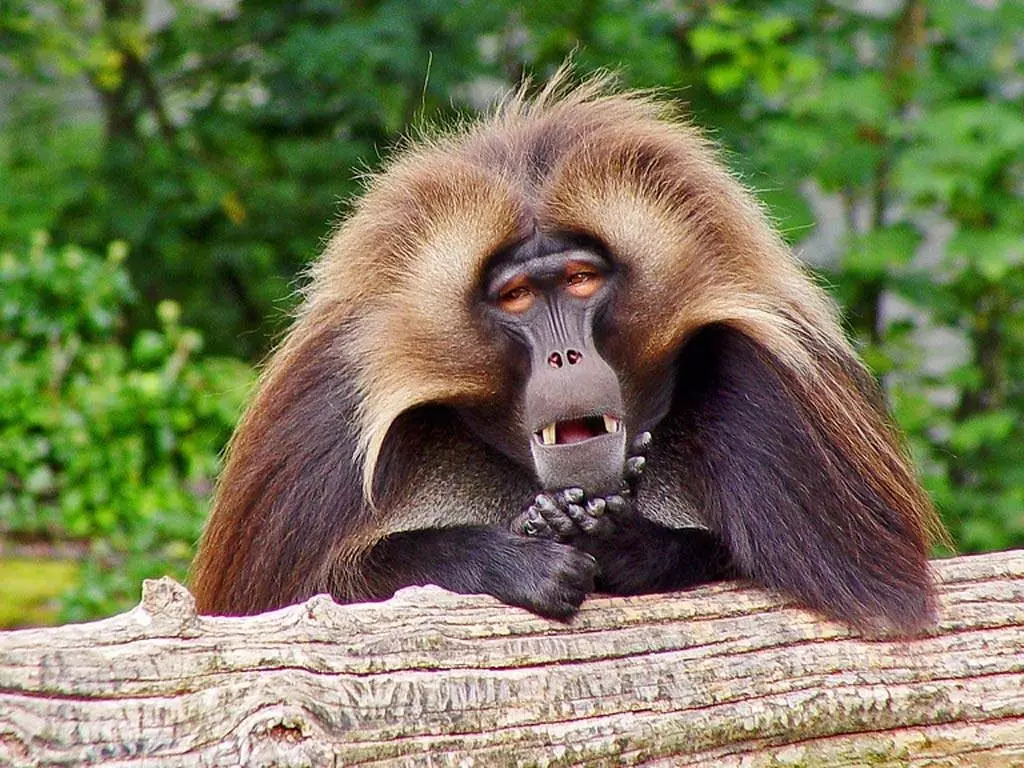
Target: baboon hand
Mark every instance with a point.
(569, 516)
(553, 580)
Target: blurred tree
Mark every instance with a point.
(217, 141)
(113, 443)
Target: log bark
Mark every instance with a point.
(726, 675)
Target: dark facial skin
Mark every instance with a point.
(572, 409)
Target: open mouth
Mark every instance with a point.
(577, 430)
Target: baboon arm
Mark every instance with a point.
(549, 578)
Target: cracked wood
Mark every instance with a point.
(726, 675)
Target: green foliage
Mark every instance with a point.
(220, 143)
(115, 440)
(740, 46)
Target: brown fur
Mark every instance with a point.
(388, 325)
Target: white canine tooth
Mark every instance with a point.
(611, 424)
(548, 434)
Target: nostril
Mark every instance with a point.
(555, 360)
(573, 356)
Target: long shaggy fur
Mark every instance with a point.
(388, 326)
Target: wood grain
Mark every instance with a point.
(726, 675)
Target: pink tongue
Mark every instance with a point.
(574, 431)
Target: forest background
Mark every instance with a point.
(168, 167)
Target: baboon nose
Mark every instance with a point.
(572, 355)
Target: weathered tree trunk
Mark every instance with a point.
(723, 676)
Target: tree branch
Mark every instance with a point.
(725, 675)
(151, 95)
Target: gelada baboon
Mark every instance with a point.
(556, 351)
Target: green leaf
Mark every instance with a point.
(707, 41)
(993, 253)
(876, 252)
(983, 429)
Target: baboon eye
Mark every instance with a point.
(516, 296)
(578, 278)
(582, 280)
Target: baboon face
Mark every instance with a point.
(568, 407)
(547, 297)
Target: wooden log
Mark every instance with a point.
(726, 675)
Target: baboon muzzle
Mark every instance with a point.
(574, 411)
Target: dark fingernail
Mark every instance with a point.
(545, 503)
(573, 495)
(641, 442)
(575, 513)
(616, 503)
(636, 465)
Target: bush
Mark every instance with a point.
(109, 440)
